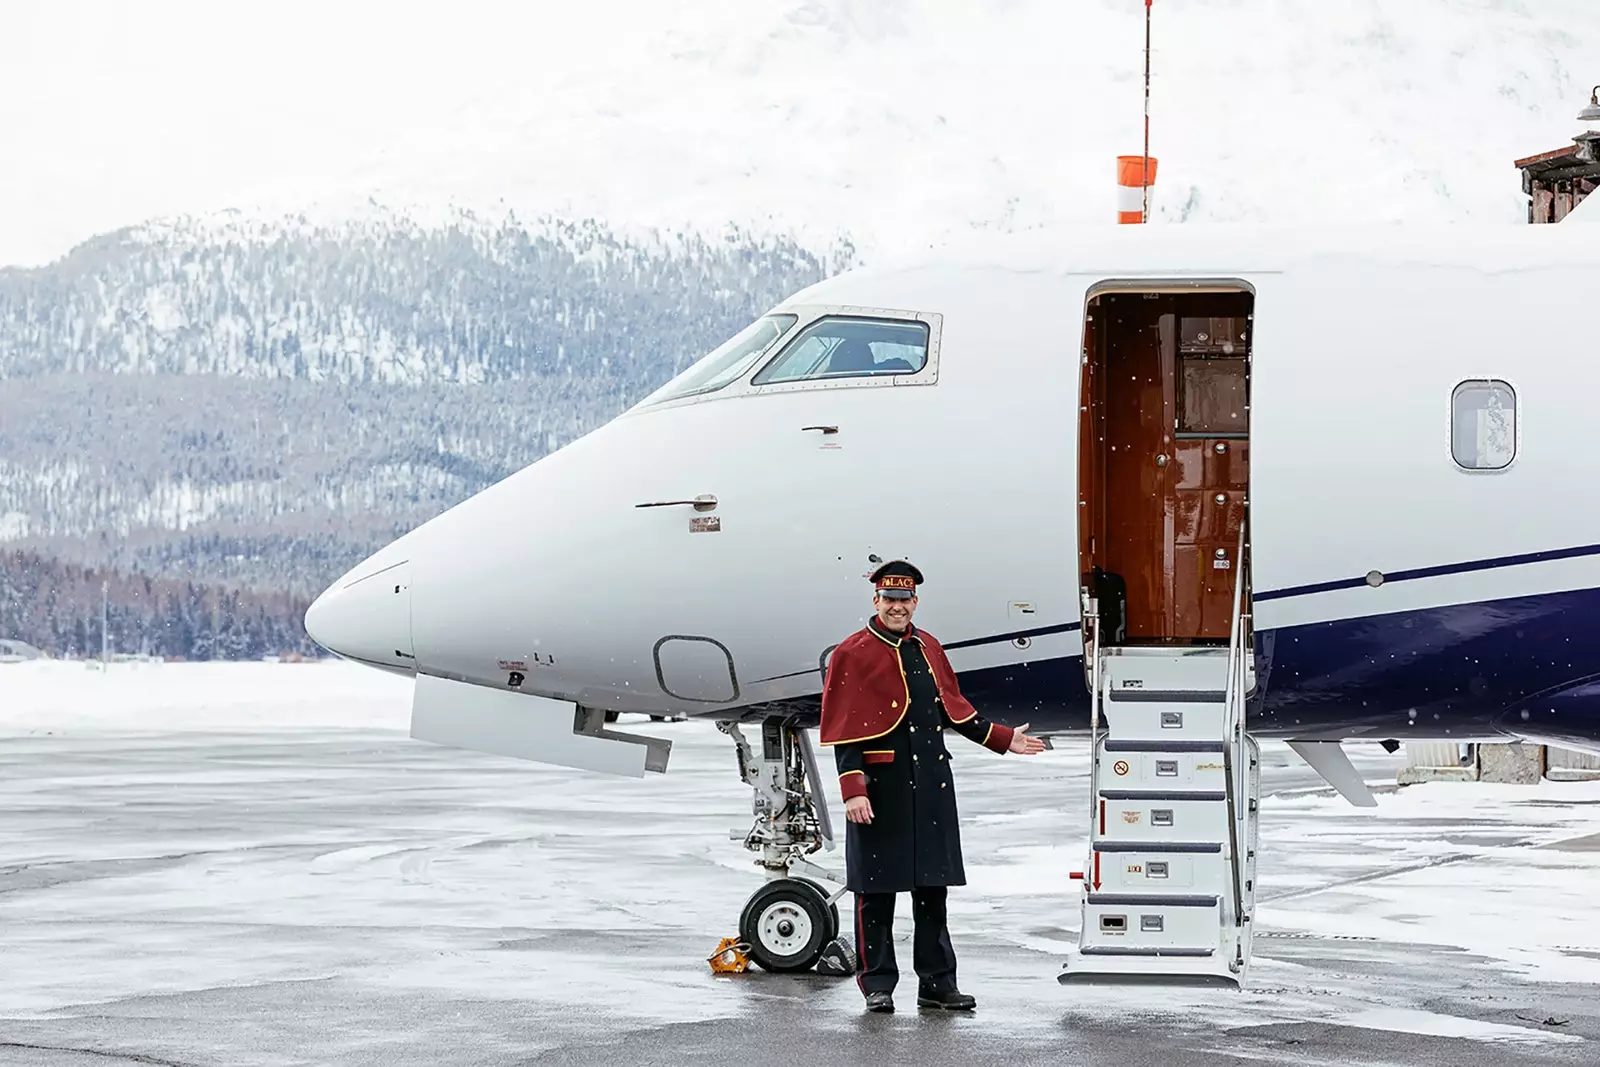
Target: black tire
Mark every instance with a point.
(787, 923)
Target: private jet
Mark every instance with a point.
(1172, 489)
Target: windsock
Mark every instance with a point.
(1130, 187)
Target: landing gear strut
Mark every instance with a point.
(791, 922)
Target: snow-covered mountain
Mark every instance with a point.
(894, 121)
(383, 299)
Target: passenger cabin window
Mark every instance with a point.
(1483, 425)
(728, 361)
(1212, 372)
(849, 348)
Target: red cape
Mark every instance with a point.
(865, 695)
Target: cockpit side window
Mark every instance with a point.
(840, 347)
(727, 362)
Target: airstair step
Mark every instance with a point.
(1162, 720)
(1162, 820)
(1151, 922)
(1164, 669)
(1166, 766)
(1163, 794)
(1152, 869)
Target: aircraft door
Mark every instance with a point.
(1164, 463)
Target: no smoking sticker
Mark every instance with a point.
(1121, 766)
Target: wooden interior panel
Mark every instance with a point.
(1211, 481)
(1091, 452)
(1137, 430)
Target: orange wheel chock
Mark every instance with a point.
(730, 957)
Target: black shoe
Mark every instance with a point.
(948, 1000)
(882, 1002)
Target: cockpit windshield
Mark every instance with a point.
(727, 361)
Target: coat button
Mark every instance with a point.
(913, 729)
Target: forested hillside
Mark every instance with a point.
(57, 607)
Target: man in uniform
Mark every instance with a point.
(890, 694)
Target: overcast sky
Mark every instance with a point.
(113, 112)
(893, 114)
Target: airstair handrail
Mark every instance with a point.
(1233, 732)
(1236, 649)
(1094, 730)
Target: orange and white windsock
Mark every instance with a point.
(1131, 182)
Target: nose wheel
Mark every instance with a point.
(788, 923)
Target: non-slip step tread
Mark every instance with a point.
(1129, 900)
(1126, 950)
(1163, 794)
(1167, 652)
(1173, 745)
(1196, 847)
(1168, 696)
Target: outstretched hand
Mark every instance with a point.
(1023, 745)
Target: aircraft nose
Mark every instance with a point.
(368, 619)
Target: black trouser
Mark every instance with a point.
(932, 954)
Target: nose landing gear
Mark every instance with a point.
(791, 923)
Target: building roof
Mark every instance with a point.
(1581, 159)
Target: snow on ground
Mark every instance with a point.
(187, 849)
(67, 696)
(1470, 866)
(895, 120)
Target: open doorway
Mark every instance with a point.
(1164, 461)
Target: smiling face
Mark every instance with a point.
(894, 612)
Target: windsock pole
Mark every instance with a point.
(1136, 174)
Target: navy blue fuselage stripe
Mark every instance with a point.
(1015, 635)
(1041, 631)
(1466, 567)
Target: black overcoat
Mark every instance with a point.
(914, 838)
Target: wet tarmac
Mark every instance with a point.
(305, 893)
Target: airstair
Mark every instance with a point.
(1168, 892)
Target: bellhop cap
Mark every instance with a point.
(897, 580)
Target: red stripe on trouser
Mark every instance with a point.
(861, 947)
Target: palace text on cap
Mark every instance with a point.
(897, 580)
